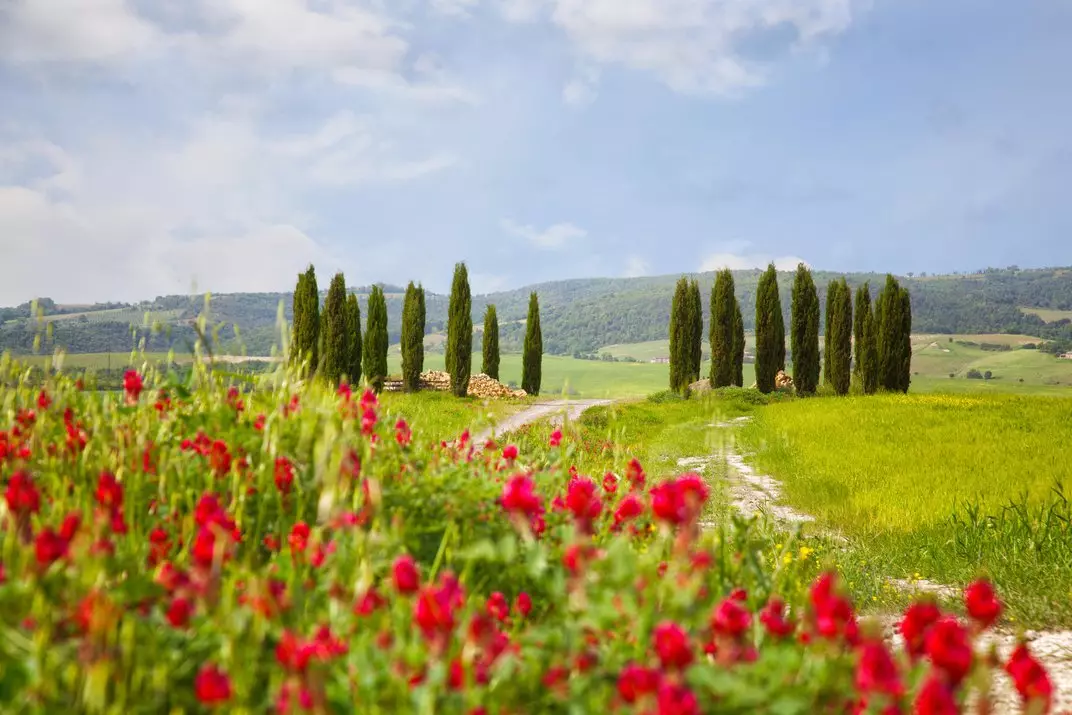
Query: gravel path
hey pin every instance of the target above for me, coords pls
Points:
(555, 409)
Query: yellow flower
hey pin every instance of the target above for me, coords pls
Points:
(787, 559)
(805, 552)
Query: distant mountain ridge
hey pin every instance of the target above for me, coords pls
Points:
(578, 315)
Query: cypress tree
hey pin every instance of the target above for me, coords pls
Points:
(839, 326)
(374, 353)
(679, 326)
(336, 341)
(460, 332)
(738, 344)
(893, 328)
(831, 298)
(422, 327)
(722, 338)
(532, 361)
(412, 340)
(805, 332)
(696, 334)
(307, 320)
(863, 307)
(868, 352)
(490, 363)
(298, 326)
(353, 330)
(770, 330)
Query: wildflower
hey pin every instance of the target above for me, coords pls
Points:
(634, 473)
(1030, 678)
(109, 492)
(369, 602)
(573, 559)
(284, 475)
(519, 496)
(629, 508)
(299, 537)
(876, 672)
(916, 624)
(22, 495)
(982, 603)
(43, 400)
(731, 618)
(672, 646)
(936, 698)
(212, 686)
(403, 434)
(49, 547)
(834, 615)
(677, 700)
(773, 619)
(679, 501)
(582, 501)
(556, 438)
(635, 682)
(132, 385)
(258, 424)
(509, 452)
(610, 483)
(179, 612)
(435, 608)
(523, 604)
(405, 575)
(498, 606)
(949, 649)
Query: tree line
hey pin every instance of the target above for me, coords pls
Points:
(328, 342)
(879, 334)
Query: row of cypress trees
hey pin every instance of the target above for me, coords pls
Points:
(881, 336)
(329, 343)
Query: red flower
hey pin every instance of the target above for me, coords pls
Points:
(679, 501)
(1030, 678)
(916, 624)
(109, 492)
(948, 648)
(773, 619)
(834, 615)
(403, 434)
(509, 452)
(523, 604)
(634, 682)
(876, 672)
(629, 508)
(635, 474)
(159, 545)
(982, 603)
(284, 475)
(212, 686)
(298, 538)
(519, 496)
(610, 483)
(204, 547)
(731, 618)
(22, 495)
(573, 558)
(672, 645)
(132, 385)
(406, 577)
(179, 612)
(369, 602)
(936, 698)
(49, 547)
(583, 502)
(677, 700)
(498, 606)
(556, 438)
(435, 608)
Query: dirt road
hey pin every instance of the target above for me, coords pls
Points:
(555, 409)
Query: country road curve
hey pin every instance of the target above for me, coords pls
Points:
(555, 409)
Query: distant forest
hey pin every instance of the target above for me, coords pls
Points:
(578, 316)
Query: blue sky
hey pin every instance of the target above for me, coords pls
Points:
(156, 146)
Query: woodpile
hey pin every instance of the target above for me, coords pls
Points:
(783, 381)
(480, 385)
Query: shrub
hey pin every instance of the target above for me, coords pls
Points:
(974, 374)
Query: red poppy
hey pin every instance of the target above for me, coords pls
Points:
(284, 475)
(982, 603)
(936, 698)
(519, 495)
(49, 547)
(916, 624)
(876, 672)
(731, 618)
(179, 612)
(498, 606)
(509, 452)
(773, 619)
(949, 649)
(523, 604)
(22, 495)
(556, 438)
(212, 686)
(635, 682)
(672, 645)
(404, 573)
(132, 385)
(1030, 678)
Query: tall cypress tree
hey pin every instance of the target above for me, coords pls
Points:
(839, 326)
(893, 327)
(353, 330)
(336, 341)
(422, 327)
(679, 326)
(805, 332)
(831, 297)
(862, 308)
(721, 336)
(868, 352)
(738, 344)
(412, 340)
(696, 334)
(375, 344)
(306, 342)
(298, 326)
(460, 332)
(490, 353)
(770, 330)
(532, 360)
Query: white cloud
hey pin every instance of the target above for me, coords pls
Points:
(560, 235)
(740, 262)
(484, 283)
(694, 46)
(73, 30)
(581, 89)
(635, 266)
(521, 10)
(459, 8)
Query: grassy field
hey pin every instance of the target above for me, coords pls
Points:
(935, 358)
(937, 485)
(435, 416)
(1049, 315)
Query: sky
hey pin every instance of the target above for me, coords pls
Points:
(152, 147)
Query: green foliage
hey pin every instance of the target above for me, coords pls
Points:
(353, 329)
(412, 340)
(866, 334)
(696, 330)
(460, 332)
(770, 331)
(839, 328)
(374, 353)
(805, 332)
(680, 350)
(738, 344)
(893, 318)
(490, 353)
(532, 360)
(337, 341)
(306, 338)
(722, 336)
